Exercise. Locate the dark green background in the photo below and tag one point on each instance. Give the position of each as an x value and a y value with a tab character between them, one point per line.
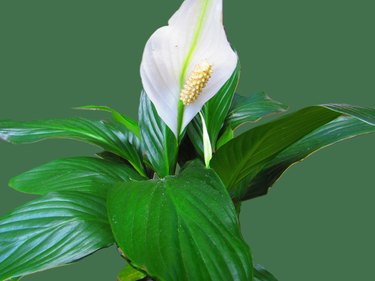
318	223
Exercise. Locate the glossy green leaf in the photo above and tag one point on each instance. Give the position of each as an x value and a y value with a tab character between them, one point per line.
227	135
106	155
129	123
246	165
342	128
195	134
78	173
158	141
261	274
246	154
54	230
112	137
365	114
252	109
129	273
215	112
180	228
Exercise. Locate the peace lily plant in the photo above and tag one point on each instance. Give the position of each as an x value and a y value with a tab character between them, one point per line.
167	189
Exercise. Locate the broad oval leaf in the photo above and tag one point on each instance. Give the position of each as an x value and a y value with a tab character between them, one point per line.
112	137
180	228
54	230
246	165
158	141
78	173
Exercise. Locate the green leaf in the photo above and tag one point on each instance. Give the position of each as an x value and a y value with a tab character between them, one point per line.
214	111
129	123
129	273
248	109
106	155
51	231
79	173
252	109
342	128
158	141
245	154
180	228
195	135
112	137
252	162
365	114
261	274
227	135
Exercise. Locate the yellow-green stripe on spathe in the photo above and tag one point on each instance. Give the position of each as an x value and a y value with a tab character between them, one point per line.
197	33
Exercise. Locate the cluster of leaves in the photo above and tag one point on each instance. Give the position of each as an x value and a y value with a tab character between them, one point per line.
172	218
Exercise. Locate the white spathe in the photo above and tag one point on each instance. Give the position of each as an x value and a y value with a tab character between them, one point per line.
195	34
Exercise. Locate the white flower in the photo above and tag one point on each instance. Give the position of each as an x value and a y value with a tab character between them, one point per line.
186	63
